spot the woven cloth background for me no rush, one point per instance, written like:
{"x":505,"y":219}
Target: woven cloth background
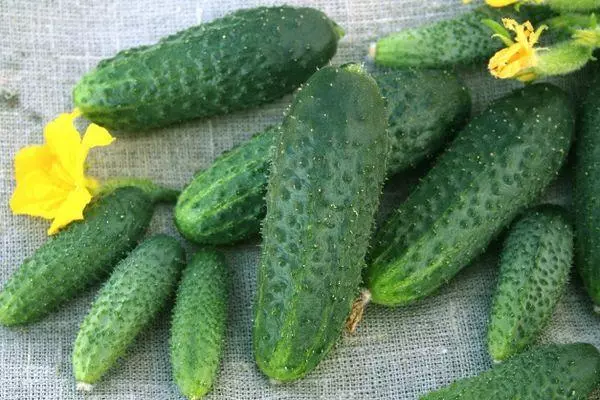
{"x":46,"y":45}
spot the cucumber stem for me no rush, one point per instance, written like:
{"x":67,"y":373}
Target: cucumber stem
{"x":158,"y":193}
{"x":358,"y":310}
{"x":372,"y":51}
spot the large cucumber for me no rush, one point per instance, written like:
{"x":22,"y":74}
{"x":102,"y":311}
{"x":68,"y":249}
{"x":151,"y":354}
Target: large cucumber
{"x":461,"y":40}
{"x":198,"y":329}
{"x":496,"y":167}
{"x":225,"y":203}
{"x":587,"y":192}
{"x":242,"y":60}
{"x":136,"y":291}
{"x":534,"y":267}
{"x":78,"y":256}
{"x":557,"y":372}
{"x":324,"y":187}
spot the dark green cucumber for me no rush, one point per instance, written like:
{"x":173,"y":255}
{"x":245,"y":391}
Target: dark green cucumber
{"x":324,"y":187}
{"x":198,"y":328}
{"x":425,"y":109}
{"x":245,"y":59}
{"x":225,"y":203}
{"x":82,"y":254}
{"x":557,"y":372}
{"x":587,"y":192}
{"x":461,"y":40}
{"x":534,"y":267}
{"x":136,"y":291}
{"x":495,"y":168}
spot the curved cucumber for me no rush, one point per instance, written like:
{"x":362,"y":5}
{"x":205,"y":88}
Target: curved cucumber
{"x":198,"y":328}
{"x":225,"y":203}
{"x":587,"y":193}
{"x":242,"y":60}
{"x":78,"y":256}
{"x":136,"y":291}
{"x":534,"y":267}
{"x":324,"y":189}
{"x":496,"y":167}
{"x":461,"y":40}
{"x":557,"y":372}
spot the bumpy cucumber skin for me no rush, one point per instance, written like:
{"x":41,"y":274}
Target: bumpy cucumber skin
{"x":324,"y":187}
{"x":242,"y":60}
{"x":425,"y":109}
{"x":534,"y":268}
{"x":461,"y":40}
{"x":587,"y":192}
{"x":557,"y":372}
{"x":226,"y":202}
{"x":495,"y":168}
{"x":80,"y":255}
{"x":136,"y":291}
{"x":198,"y":328}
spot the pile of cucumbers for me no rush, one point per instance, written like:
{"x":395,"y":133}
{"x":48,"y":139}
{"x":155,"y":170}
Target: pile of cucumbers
{"x":311,"y":186}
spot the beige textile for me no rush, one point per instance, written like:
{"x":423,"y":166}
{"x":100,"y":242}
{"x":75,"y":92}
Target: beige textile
{"x":46,"y":45}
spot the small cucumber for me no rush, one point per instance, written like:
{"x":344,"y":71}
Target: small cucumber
{"x":136,"y":291}
{"x":198,"y":329}
{"x":82,"y":254}
{"x":225,"y":203}
{"x":324,"y":188}
{"x":245,"y":59}
{"x":461,"y":40}
{"x":557,"y":372}
{"x":534,"y":267}
{"x":587,"y":193}
{"x":495,"y":168}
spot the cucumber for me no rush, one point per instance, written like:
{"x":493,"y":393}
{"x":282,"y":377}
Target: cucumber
{"x":557,"y":372}
{"x":495,"y":168}
{"x":587,"y":192}
{"x":245,"y":59}
{"x":534,"y":267}
{"x":225,"y":203}
{"x":461,"y":40}
{"x":198,"y":328}
{"x":574,"y":5}
{"x":136,"y":291}
{"x":78,"y":256}
{"x":324,"y":187}
{"x":425,"y":109}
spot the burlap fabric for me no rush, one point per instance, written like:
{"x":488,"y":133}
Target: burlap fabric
{"x":46,"y":45}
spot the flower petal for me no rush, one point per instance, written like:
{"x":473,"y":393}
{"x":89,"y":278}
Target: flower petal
{"x":500,"y":3}
{"x":64,"y":142}
{"x":95,"y":136}
{"x":71,"y":209}
{"x":32,"y":158}
{"x":37,"y":195}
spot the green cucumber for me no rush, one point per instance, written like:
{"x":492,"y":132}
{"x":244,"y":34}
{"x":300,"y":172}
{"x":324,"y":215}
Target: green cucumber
{"x":245,"y":59}
{"x":461,"y":40}
{"x":495,"y":168}
{"x":557,"y":372}
{"x":587,"y":192}
{"x":534,"y":268}
{"x":137,"y":290}
{"x":573,"y":5}
{"x":225,"y":203}
{"x":78,"y":256}
{"x":324,"y":188}
{"x":198,"y":328}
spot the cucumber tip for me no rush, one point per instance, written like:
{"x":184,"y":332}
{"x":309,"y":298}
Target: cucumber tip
{"x":372,"y":51}
{"x":84,"y":387}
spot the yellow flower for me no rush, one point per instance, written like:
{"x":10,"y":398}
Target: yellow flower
{"x":518,"y":59}
{"x":500,"y":3}
{"x":51,"y":181}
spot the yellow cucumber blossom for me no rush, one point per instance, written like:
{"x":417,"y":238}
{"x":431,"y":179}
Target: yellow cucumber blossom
{"x":519,"y":58}
{"x":51,"y":181}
